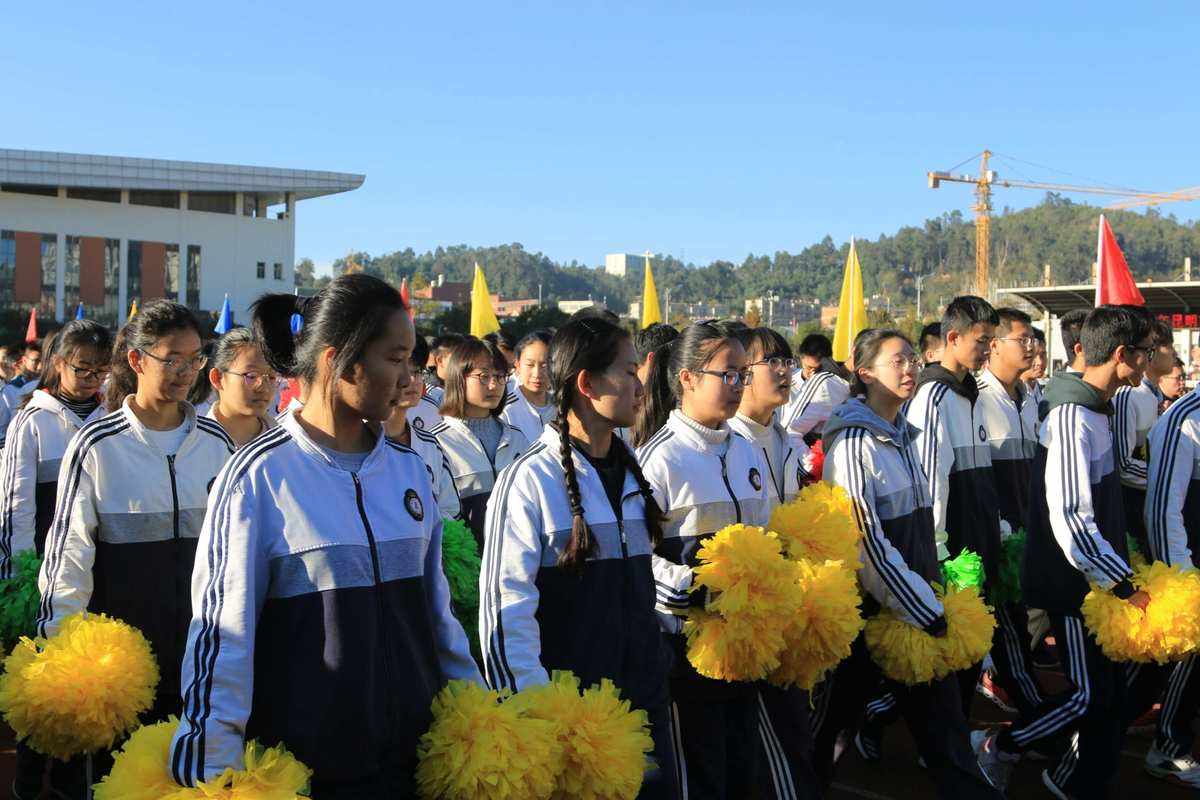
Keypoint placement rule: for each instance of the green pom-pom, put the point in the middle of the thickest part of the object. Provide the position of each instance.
(461, 565)
(1007, 588)
(19, 598)
(964, 571)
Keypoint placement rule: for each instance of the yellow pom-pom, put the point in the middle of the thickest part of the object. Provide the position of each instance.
(604, 742)
(1169, 628)
(140, 772)
(819, 525)
(480, 747)
(752, 587)
(828, 621)
(77, 691)
(907, 654)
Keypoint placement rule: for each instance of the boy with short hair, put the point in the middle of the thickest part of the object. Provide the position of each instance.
(1070, 325)
(931, 343)
(1076, 540)
(817, 389)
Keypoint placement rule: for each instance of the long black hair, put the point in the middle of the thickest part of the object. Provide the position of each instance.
(347, 315)
(692, 350)
(156, 319)
(866, 349)
(590, 344)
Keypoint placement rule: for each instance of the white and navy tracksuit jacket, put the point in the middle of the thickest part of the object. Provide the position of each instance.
(322, 617)
(123, 539)
(536, 616)
(425, 415)
(1172, 513)
(1012, 427)
(38, 437)
(703, 480)
(522, 415)
(1076, 533)
(957, 461)
(425, 443)
(1135, 412)
(11, 395)
(876, 462)
(811, 405)
(787, 461)
(268, 422)
(473, 471)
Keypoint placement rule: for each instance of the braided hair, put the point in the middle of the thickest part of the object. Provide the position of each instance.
(590, 344)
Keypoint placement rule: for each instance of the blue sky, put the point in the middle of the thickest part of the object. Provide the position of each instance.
(705, 130)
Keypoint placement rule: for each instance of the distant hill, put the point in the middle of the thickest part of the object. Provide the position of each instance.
(1056, 232)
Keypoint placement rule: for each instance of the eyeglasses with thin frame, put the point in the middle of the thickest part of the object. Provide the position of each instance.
(1025, 342)
(178, 365)
(256, 380)
(85, 373)
(488, 378)
(902, 362)
(730, 377)
(1149, 351)
(776, 364)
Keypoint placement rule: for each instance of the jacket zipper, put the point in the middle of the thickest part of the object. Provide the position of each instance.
(621, 525)
(383, 626)
(174, 495)
(737, 507)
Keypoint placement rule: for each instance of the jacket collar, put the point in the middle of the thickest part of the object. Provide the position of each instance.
(40, 398)
(936, 373)
(139, 430)
(460, 425)
(712, 441)
(313, 450)
(1070, 387)
(987, 379)
(854, 413)
(583, 468)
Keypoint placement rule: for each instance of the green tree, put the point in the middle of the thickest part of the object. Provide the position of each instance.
(305, 273)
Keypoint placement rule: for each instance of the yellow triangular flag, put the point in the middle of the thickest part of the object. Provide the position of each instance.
(133, 309)
(650, 310)
(852, 309)
(483, 317)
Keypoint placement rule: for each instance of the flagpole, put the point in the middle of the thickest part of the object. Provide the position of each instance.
(1099, 259)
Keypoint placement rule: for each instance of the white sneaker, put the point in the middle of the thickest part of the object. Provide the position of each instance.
(997, 765)
(1184, 770)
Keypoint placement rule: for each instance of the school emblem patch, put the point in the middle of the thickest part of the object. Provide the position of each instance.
(419, 424)
(982, 434)
(755, 479)
(413, 504)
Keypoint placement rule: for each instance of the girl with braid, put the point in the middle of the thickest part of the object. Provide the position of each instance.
(570, 530)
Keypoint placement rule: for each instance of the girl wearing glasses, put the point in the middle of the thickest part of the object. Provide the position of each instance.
(66, 399)
(872, 455)
(704, 478)
(528, 408)
(131, 497)
(245, 386)
(477, 443)
(571, 527)
(322, 617)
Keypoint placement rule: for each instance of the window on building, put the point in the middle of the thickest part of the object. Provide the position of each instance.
(171, 273)
(98, 195)
(92, 276)
(29, 188)
(278, 271)
(260, 270)
(213, 202)
(47, 307)
(147, 271)
(8, 267)
(142, 197)
(193, 276)
(133, 273)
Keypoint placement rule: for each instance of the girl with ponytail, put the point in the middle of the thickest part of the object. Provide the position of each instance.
(571, 527)
(322, 617)
(704, 478)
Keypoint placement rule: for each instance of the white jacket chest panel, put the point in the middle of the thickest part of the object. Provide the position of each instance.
(1096, 427)
(1012, 434)
(962, 420)
(469, 465)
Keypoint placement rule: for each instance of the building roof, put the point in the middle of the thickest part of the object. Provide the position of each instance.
(41, 168)
(1167, 297)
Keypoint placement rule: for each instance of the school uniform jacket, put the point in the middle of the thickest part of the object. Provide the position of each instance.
(425, 415)
(703, 481)
(123, 539)
(521, 414)
(811, 405)
(877, 463)
(796, 463)
(473, 471)
(11, 396)
(1136, 411)
(1012, 436)
(269, 422)
(536, 617)
(957, 461)
(322, 617)
(37, 439)
(425, 443)
(1076, 533)
(1172, 511)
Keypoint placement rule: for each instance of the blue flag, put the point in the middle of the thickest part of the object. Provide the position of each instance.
(225, 322)
(79, 311)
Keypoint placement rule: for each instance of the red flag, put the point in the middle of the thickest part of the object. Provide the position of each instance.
(31, 334)
(1114, 282)
(405, 296)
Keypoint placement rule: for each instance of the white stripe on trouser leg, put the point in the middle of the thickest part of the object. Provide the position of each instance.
(680, 761)
(781, 772)
(1066, 765)
(1132, 672)
(882, 705)
(1016, 663)
(1077, 704)
(821, 707)
(1180, 676)
(1069, 761)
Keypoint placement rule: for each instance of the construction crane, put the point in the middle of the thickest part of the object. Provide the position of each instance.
(988, 179)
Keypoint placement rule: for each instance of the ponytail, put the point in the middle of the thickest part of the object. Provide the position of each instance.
(660, 397)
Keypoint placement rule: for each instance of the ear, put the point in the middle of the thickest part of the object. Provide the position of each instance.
(134, 357)
(951, 337)
(687, 380)
(214, 378)
(325, 362)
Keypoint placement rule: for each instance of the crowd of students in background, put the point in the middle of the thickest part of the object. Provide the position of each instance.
(280, 543)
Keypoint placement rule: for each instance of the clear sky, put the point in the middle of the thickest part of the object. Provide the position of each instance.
(704, 130)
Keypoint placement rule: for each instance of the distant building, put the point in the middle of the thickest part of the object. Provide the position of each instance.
(571, 306)
(623, 264)
(785, 312)
(513, 308)
(105, 231)
(445, 291)
(829, 316)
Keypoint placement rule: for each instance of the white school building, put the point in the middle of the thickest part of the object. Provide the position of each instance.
(105, 231)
